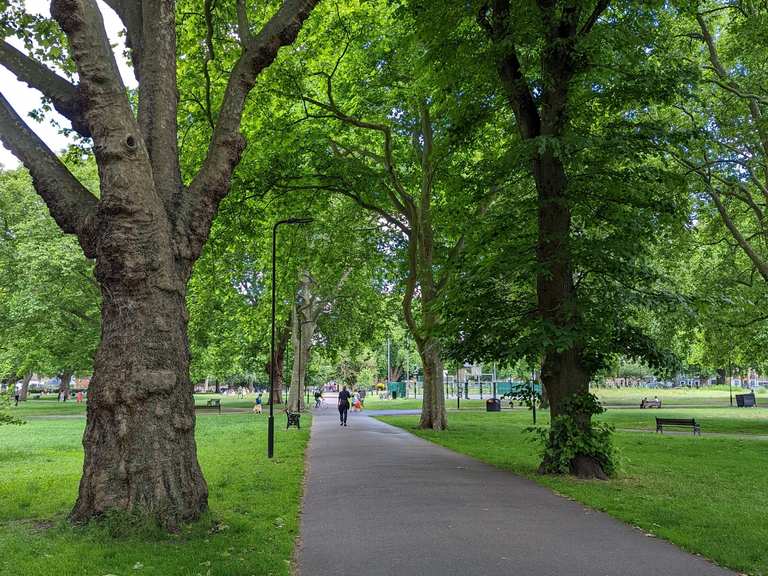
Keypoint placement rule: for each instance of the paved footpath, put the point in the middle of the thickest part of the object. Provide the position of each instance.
(438, 513)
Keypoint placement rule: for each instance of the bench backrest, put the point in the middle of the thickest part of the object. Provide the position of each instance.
(676, 421)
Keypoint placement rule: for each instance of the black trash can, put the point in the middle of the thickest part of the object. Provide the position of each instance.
(493, 405)
(394, 394)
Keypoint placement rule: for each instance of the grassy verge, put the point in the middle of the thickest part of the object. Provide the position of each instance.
(708, 495)
(250, 528)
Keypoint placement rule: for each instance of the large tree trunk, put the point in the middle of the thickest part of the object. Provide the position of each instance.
(433, 414)
(140, 453)
(24, 392)
(563, 372)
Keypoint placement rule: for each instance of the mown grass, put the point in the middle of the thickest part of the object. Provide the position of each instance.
(50, 406)
(713, 396)
(707, 495)
(710, 396)
(250, 528)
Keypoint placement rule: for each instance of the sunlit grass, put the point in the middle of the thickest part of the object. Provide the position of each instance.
(250, 528)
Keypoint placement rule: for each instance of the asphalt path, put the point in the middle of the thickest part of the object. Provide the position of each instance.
(382, 502)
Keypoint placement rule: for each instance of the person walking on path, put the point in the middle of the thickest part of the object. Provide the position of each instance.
(344, 397)
(257, 405)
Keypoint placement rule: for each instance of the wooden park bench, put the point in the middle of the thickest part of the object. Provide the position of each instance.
(650, 403)
(746, 400)
(682, 422)
(212, 404)
(293, 420)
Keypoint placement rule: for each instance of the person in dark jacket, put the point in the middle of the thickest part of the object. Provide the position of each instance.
(344, 397)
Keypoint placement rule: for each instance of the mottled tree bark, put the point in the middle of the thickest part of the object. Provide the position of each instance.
(433, 415)
(304, 316)
(301, 337)
(139, 438)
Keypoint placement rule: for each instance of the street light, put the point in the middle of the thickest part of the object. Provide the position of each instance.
(271, 421)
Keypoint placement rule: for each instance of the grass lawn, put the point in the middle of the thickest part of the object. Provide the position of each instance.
(708, 495)
(713, 396)
(710, 396)
(249, 530)
(50, 406)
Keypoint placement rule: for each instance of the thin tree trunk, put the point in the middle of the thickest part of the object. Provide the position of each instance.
(280, 347)
(301, 357)
(24, 392)
(66, 377)
(140, 452)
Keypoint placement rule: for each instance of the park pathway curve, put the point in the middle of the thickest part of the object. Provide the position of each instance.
(382, 502)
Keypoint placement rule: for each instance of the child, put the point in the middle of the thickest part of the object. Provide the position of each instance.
(257, 406)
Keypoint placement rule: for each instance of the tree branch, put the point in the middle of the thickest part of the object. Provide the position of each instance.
(70, 203)
(105, 103)
(63, 95)
(159, 97)
(130, 13)
(401, 199)
(760, 264)
(243, 26)
(211, 184)
(510, 71)
(600, 7)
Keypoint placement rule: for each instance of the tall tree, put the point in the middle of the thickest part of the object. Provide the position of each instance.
(393, 139)
(49, 302)
(575, 77)
(562, 28)
(145, 230)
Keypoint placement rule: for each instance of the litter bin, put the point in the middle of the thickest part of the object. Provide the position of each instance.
(394, 394)
(493, 405)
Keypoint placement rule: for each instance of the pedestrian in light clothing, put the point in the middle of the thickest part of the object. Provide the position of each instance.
(344, 397)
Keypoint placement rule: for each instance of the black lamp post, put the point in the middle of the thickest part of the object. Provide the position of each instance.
(271, 422)
(533, 395)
